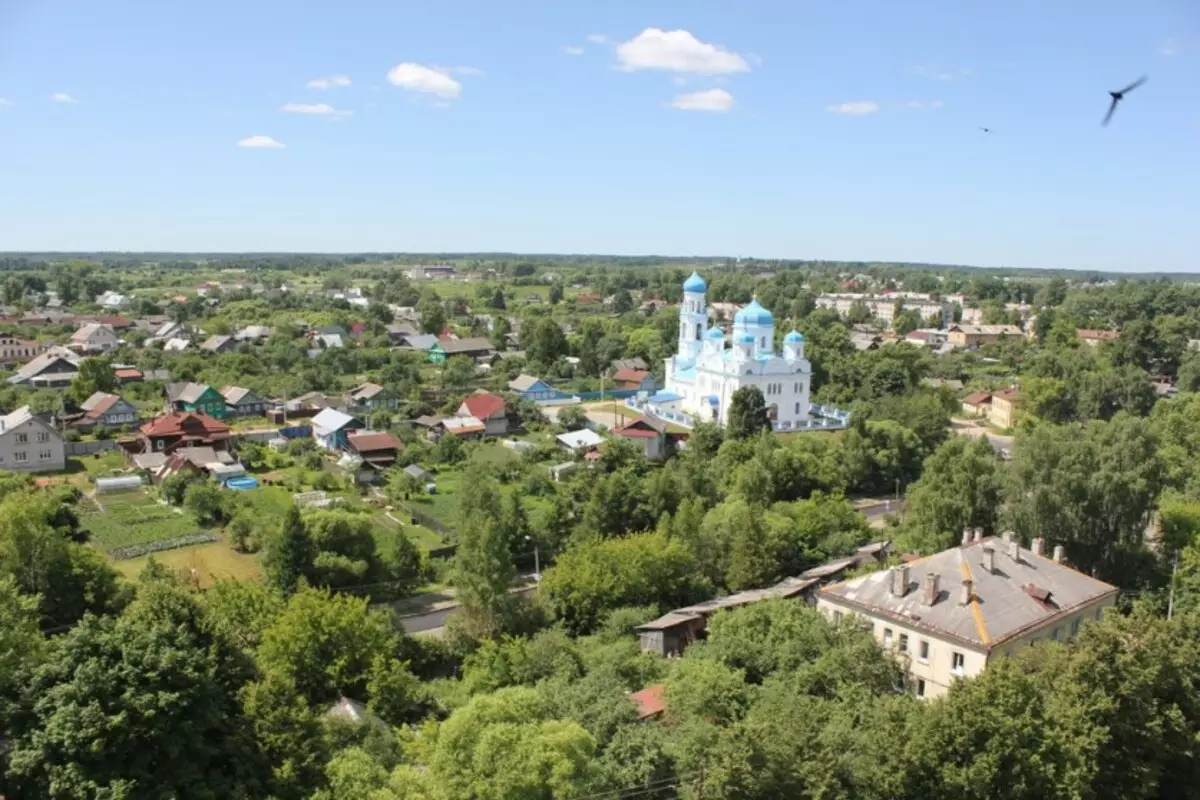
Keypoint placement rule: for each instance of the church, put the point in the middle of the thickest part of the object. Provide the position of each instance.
(704, 373)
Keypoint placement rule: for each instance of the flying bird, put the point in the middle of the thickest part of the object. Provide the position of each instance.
(985, 130)
(1119, 96)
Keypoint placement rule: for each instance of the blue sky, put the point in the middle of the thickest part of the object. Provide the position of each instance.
(781, 128)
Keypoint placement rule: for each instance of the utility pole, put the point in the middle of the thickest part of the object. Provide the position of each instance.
(1171, 599)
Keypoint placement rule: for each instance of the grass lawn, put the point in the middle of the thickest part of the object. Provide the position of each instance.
(212, 563)
(132, 518)
(422, 537)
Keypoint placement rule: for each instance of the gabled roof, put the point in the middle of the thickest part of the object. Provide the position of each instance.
(523, 383)
(1097, 335)
(470, 345)
(368, 441)
(1005, 598)
(89, 330)
(128, 372)
(461, 426)
(215, 343)
(642, 428)
(484, 405)
(20, 417)
(977, 398)
(585, 437)
(634, 375)
(99, 403)
(330, 420)
(365, 391)
(422, 341)
(189, 423)
(236, 394)
(39, 365)
(186, 392)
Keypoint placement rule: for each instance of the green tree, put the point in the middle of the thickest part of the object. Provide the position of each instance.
(544, 341)
(95, 375)
(483, 570)
(291, 553)
(457, 373)
(556, 294)
(433, 315)
(747, 413)
(204, 501)
(961, 485)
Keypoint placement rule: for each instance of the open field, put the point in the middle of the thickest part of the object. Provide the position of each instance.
(211, 562)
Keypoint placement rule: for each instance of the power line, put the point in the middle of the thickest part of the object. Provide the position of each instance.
(660, 785)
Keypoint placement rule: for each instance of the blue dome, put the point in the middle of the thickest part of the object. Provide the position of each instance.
(745, 338)
(715, 333)
(794, 336)
(695, 283)
(754, 314)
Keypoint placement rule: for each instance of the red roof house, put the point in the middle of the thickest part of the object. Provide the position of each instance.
(651, 702)
(182, 429)
(490, 409)
(638, 379)
(377, 451)
(652, 432)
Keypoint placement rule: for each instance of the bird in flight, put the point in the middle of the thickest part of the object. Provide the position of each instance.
(985, 130)
(1119, 96)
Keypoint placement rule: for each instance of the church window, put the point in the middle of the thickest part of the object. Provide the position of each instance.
(764, 343)
(697, 330)
(797, 408)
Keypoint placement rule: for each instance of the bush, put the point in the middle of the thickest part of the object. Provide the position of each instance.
(138, 550)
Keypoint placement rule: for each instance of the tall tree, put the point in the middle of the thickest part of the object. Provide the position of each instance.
(95, 375)
(961, 486)
(747, 413)
(483, 570)
(290, 556)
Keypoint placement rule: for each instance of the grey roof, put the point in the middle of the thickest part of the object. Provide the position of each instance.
(365, 391)
(215, 343)
(416, 472)
(185, 392)
(39, 364)
(1005, 604)
(236, 394)
(422, 341)
(523, 383)
(470, 345)
(636, 362)
(400, 329)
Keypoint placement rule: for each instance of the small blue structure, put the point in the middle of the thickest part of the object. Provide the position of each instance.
(532, 388)
(242, 483)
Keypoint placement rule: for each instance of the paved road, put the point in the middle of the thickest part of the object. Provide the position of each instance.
(999, 443)
(432, 621)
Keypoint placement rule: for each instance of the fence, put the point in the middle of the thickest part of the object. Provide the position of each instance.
(295, 432)
(607, 394)
(88, 448)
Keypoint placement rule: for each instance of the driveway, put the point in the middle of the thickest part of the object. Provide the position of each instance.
(1000, 443)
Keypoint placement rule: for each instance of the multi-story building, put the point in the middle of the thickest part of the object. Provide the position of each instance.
(27, 444)
(946, 616)
(14, 350)
(883, 306)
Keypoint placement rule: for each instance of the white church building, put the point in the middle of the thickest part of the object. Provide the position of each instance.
(706, 370)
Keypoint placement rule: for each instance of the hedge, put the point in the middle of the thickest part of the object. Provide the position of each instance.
(137, 550)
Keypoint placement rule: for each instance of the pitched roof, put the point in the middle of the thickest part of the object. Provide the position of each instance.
(584, 437)
(422, 341)
(627, 374)
(482, 406)
(128, 372)
(642, 428)
(186, 392)
(367, 441)
(1004, 604)
(15, 418)
(192, 423)
(215, 343)
(469, 345)
(461, 426)
(650, 701)
(1097, 335)
(365, 391)
(523, 383)
(636, 362)
(236, 394)
(88, 331)
(330, 420)
(977, 398)
(42, 362)
(99, 403)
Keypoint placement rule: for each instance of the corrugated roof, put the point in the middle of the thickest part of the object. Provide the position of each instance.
(330, 420)
(650, 701)
(482, 406)
(523, 383)
(366, 442)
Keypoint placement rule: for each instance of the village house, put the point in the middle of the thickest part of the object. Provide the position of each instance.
(636, 379)
(489, 409)
(27, 444)
(977, 404)
(109, 410)
(1001, 414)
(55, 369)
(371, 397)
(253, 333)
(583, 440)
(531, 388)
(1093, 338)
(374, 453)
(14, 350)
(196, 397)
(331, 428)
(447, 347)
(396, 332)
(169, 432)
(945, 617)
(219, 344)
(974, 336)
(94, 338)
(653, 436)
(243, 402)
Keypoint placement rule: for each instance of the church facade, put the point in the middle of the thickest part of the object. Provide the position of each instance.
(707, 369)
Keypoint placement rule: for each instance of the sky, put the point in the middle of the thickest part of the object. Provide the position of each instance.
(807, 129)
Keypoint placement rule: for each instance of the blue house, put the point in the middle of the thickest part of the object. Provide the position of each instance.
(532, 388)
(331, 428)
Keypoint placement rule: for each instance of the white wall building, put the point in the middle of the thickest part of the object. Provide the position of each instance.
(703, 374)
(29, 445)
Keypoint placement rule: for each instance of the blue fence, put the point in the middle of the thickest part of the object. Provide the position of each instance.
(607, 394)
(296, 432)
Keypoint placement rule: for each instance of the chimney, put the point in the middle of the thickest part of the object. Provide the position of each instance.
(967, 591)
(900, 580)
(929, 590)
(1059, 553)
(989, 559)
(1037, 546)
(1014, 550)
(1008, 536)
(979, 534)
(966, 540)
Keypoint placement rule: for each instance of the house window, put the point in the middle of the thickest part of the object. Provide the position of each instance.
(920, 688)
(20, 456)
(957, 662)
(837, 617)
(903, 643)
(887, 637)
(1054, 634)
(22, 438)
(43, 436)
(797, 408)
(1075, 627)
(923, 651)
(45, 455)
(160, 445)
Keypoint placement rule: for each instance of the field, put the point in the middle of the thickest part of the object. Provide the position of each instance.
(132, 518)
(211, 562)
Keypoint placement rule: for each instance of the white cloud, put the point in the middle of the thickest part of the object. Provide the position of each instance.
(707, 100)
(318, 109)
(63, 97)
(261, 143)
(4, 102)
(420, 78)
(597, 38)
(331, 82)
(572, 50)
(677, 51)
(1168, 48)
(935, 74)
(857, 108)
(924, 104)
